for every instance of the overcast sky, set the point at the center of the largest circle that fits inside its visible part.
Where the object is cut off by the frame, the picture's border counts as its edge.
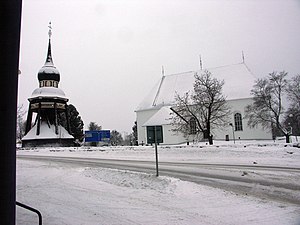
(110, 53)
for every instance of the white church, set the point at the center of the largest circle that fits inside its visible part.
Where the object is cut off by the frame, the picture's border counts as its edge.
(154, 110)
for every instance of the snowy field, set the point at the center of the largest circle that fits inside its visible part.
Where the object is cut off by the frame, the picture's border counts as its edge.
(69, 194)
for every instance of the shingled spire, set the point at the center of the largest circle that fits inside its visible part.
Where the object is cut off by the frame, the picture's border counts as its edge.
(49, 56)
(48, 74)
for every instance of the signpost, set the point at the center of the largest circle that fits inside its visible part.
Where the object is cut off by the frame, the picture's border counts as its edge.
(155, 135)
(156, 154)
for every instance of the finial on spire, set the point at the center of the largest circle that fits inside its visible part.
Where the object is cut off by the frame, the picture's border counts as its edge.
(162, 71)
(49, 56)
(243, 57)
(50, 30)
(200, 62)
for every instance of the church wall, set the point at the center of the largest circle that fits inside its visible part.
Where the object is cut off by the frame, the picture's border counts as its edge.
(237, 106)
(247, 133)
(141, 118)
(171, 137)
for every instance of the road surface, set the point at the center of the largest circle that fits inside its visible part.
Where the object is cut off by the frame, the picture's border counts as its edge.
(265, 182)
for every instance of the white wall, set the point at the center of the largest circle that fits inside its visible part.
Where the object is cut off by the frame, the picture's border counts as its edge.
(237, 106)
(169, 137)
(258, 133)
(141, 118)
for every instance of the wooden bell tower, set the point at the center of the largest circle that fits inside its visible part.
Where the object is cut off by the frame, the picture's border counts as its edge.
(49, 105)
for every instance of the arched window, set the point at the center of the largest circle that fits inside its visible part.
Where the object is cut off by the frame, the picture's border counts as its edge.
(238, 124)
(193, 126)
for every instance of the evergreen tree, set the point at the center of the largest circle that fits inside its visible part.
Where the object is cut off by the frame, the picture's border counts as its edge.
(115, 138)
(292, 121)
(135, 134)
(75, 121)
(94, 126)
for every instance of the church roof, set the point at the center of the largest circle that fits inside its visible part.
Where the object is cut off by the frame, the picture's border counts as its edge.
(47, 132)
(161, 117)
(238, 83)
(50, 92)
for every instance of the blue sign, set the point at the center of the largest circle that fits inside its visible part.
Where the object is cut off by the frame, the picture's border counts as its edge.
(97, 135)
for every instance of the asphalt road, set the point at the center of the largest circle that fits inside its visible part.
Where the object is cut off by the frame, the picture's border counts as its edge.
(265, 182)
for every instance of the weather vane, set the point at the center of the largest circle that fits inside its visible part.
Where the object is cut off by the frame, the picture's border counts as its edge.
(50, 30)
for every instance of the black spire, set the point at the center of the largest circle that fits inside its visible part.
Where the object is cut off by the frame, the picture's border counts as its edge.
(49, 56)
(49, 71)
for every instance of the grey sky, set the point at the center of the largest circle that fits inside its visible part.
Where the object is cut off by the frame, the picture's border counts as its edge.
(110, 53)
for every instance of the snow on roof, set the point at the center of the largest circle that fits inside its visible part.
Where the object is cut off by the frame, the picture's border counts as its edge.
(238, 83)
(49, 68)
(48, 92)
(47, 132)
(162, 117)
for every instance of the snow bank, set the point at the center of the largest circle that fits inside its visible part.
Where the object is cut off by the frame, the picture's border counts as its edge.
(124, 178)
(73, 195)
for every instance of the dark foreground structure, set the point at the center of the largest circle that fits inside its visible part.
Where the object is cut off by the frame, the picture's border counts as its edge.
(10, 24)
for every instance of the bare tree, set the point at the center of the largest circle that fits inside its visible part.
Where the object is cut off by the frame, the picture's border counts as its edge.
(202, 110)
(292, 115)
(293, 91)
(20, 122)
(267, 109)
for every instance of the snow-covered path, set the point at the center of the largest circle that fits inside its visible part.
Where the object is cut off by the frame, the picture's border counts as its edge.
(66, 194)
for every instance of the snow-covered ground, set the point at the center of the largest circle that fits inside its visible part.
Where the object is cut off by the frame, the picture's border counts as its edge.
(68, 194)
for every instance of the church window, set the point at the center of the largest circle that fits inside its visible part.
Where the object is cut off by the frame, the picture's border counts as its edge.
(193, 126)
(238, 124)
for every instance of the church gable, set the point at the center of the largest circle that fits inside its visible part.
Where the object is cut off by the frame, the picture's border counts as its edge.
(238, 83)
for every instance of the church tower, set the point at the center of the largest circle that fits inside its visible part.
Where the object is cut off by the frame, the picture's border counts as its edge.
(48, 107)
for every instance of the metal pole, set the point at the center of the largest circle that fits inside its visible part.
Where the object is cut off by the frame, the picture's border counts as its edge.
(231, 124)
(233, 135)
(156, 154)
(10, 25)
